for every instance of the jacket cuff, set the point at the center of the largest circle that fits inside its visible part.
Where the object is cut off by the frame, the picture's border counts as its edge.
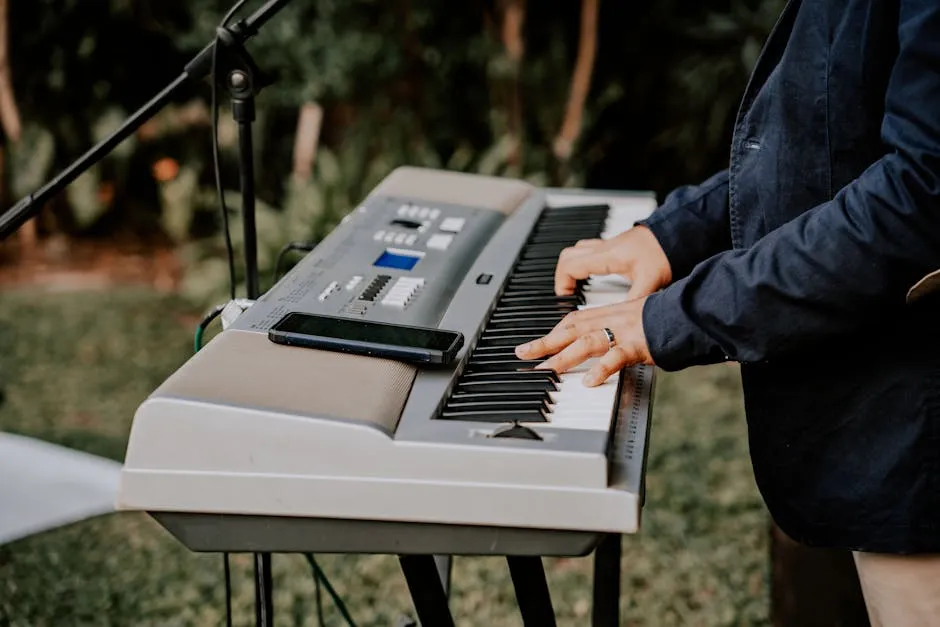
(666, 225)
(675, 342)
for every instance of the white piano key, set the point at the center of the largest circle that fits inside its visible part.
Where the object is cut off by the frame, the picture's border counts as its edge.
(576, 405)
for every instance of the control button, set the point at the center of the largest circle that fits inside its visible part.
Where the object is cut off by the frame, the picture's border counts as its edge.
(411, 239)
(389, 238)
(400, 238)
(332, 287)
(424, 226)
(423, 212)
(379, 235)
(440, 241)
(484, 279)
(452, 225)
(353, 282)
(412, 212)
(403, 210)
(434, 214)
(408, 224)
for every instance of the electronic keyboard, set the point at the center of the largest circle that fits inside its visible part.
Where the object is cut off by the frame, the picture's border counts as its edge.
(256, 446)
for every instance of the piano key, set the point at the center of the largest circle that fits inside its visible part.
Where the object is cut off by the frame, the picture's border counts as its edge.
(501, 365)
(536, 395)
(520, 375)
(508, 340)
(522, 327)
(508, 385)
(548, 305)
(497, 405)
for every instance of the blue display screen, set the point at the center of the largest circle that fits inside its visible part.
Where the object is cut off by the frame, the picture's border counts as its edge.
(396, 259)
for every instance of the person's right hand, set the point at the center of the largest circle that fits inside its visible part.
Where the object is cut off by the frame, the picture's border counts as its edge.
(634, 254)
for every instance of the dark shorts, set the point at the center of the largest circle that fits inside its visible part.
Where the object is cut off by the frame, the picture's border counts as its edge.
(845, 442)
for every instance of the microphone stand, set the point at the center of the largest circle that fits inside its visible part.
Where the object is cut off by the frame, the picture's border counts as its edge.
(243, 81)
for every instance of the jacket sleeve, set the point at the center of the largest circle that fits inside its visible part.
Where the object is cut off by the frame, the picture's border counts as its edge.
(692, 223)
(838, 266)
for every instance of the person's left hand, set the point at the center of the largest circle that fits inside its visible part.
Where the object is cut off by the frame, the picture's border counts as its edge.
(580, 335)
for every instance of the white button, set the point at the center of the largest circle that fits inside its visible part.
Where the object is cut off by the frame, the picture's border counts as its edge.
(440, 241)
(452, 225)
(423, 212)
(410, 240)
(412, 212)
(403, 210)
(400, 238)
(435, 213)
(378, 236)
(390, 237)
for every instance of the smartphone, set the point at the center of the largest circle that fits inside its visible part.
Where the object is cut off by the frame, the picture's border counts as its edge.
(361, 337)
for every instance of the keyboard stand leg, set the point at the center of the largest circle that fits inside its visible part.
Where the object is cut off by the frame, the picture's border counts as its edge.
(427, 590)
(264, 597)
(444, 563)
(607, 582)
(535, 601)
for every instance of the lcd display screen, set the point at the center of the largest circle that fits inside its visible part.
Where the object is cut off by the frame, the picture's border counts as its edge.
(398, 259)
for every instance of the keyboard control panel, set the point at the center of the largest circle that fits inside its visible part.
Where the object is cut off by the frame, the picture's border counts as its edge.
(391, 260)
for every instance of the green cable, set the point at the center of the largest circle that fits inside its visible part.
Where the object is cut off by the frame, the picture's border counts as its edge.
(197, 341)
(318, 573)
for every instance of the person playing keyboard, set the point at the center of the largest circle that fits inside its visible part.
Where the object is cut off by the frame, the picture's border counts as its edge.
(798, 262)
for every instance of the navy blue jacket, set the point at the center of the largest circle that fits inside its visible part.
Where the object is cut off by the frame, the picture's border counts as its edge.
(796, 262)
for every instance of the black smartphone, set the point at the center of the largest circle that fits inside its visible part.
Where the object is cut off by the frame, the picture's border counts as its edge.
(362, 337)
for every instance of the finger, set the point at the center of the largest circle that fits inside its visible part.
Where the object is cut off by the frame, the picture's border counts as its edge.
(593, 344)
(589, 243)
(615, 360)
(575, 267)
(557, 339)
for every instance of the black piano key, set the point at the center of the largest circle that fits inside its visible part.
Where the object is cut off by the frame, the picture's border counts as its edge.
(489, 416)
(497, 405)
(508, 340)
(525, 316)
(540, 396)
(522, 300)
(547, 306)
(519, 375)
(506, 352)
(508, 385)
(516, 330)
(501, 365)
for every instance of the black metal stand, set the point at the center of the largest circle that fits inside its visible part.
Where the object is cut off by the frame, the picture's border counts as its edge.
(427, 590)
(532, 594)
(607, 557)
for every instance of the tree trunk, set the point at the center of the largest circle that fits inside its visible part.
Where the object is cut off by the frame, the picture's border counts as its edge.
(309, 122)
(11, 125)
(813, 587)
(580, 83)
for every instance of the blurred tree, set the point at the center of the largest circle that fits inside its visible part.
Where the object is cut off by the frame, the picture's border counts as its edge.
(591, 93)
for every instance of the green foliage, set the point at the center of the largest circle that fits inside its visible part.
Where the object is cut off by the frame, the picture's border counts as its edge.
(421, 82)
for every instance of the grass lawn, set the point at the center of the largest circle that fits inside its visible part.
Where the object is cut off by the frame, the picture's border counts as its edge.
(74, 367)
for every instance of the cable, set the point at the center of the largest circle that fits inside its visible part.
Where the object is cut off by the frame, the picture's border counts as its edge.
(203, 325)
(319, 574)
(303, 246)
(216, 162)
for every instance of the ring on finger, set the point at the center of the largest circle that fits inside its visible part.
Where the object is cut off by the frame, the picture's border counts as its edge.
(611, 338)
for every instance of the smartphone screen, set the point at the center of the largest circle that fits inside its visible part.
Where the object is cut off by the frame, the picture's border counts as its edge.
(372, 338)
